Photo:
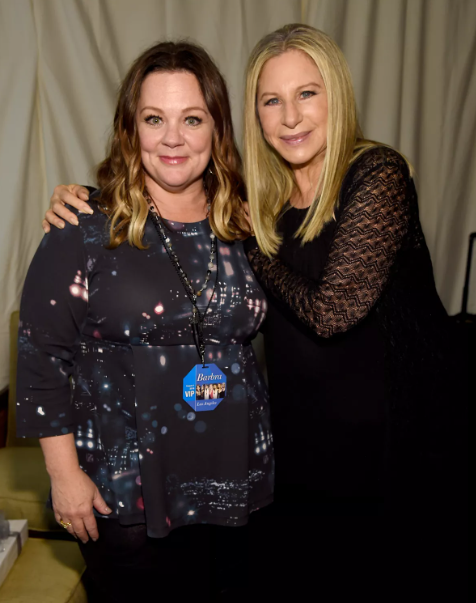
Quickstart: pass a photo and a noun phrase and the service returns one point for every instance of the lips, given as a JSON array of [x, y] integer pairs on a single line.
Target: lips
[[296, 139], [177, 160]]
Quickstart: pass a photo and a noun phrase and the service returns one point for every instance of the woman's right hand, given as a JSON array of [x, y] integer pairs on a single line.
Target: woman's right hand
[[71, 194], [74, 495]]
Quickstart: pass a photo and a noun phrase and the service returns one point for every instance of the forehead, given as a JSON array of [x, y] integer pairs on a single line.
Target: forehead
[[171, 89], [289, 68]]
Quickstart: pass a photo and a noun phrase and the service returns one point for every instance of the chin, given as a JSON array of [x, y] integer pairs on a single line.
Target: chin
[[296, 158], [173, 180]]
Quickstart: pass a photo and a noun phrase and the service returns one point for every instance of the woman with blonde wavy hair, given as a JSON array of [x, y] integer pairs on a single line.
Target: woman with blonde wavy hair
[[134, 309]]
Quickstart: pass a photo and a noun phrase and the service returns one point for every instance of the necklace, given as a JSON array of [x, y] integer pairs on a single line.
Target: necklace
[[198, 318], [173, 256]]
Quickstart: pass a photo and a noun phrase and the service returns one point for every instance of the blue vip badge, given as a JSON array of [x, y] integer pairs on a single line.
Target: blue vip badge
[[204, 387]]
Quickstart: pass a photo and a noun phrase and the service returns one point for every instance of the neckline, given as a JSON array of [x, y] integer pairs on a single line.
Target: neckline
[[296, 211], [185, 227], [174, 224], [299, 208]]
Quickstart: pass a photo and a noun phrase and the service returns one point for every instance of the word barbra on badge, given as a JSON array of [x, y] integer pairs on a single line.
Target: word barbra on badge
[[204, 387]]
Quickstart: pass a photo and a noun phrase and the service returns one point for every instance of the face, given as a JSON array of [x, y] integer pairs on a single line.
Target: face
[[292, 107], [175, 130]]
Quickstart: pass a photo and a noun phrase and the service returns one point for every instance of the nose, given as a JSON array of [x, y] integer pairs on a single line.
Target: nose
[[173, 135], [291, 116]]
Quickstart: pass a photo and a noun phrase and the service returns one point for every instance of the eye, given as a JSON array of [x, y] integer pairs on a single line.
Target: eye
[[307, 94], [193, 121], [153, 120], [271, 101]]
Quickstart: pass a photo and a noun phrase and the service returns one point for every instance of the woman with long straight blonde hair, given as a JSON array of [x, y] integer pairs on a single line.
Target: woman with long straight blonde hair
[[361, 357], [353, 311]]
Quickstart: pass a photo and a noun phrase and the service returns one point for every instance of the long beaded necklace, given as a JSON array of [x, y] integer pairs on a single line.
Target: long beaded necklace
[[198, 318]]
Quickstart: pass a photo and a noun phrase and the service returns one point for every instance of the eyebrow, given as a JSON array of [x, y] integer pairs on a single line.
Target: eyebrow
[[186, 110], [298, 88]]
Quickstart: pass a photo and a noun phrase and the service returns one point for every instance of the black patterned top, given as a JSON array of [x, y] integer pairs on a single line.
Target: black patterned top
[[355, 317], [117, 322]]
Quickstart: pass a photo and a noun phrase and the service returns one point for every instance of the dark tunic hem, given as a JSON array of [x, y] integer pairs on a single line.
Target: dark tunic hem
[[234, 522]]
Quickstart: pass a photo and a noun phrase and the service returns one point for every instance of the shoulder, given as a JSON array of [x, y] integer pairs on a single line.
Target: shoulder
[[94, 201], [379, 158], [379, 178], [97, 218], [378, 164], [91, 229]]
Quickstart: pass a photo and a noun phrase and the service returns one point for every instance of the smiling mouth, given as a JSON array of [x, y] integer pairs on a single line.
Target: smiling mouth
[[295, 139], [172, 160]]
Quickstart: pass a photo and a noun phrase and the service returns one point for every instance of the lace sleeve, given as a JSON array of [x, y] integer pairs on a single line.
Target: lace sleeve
[[369, 233]]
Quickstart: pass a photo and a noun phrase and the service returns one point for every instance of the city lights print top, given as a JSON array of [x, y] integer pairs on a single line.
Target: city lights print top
[[104, 345]]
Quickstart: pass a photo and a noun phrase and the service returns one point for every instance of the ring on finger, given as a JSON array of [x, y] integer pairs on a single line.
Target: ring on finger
[[65, 524]]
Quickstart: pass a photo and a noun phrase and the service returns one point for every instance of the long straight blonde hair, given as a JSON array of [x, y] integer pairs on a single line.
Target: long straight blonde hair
[[269, 178]]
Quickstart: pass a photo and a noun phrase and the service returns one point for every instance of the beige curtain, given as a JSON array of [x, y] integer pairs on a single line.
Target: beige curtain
[[414, 69], [62, 60]]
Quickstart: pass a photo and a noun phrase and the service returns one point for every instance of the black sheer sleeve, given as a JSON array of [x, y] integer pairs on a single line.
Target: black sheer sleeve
[[53, 309], [370, 231]]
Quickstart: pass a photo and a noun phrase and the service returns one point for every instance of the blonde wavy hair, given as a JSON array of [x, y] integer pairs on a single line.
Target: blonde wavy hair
[[121, 175], [269, 178]]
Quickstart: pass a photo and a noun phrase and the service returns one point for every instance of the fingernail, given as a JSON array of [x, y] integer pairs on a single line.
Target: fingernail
[[88, 210], [94, 539], [60, 225], [74, 221]]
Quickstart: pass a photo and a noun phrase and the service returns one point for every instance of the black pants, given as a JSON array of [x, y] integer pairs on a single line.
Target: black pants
[[203, 562], [283, 552]]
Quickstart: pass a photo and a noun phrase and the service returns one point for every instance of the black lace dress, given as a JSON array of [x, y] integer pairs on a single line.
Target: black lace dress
[[357, 346]]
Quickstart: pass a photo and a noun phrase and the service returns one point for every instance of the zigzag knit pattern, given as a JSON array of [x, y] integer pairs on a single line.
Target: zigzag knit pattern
[[378, 216]]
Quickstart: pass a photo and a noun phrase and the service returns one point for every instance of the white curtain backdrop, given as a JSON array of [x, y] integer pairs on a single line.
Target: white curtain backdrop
[[61, 61]]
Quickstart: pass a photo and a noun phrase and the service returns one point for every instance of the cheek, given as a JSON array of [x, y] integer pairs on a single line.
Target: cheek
[[267, 125], [147, 140], [318, 115], [201, 142], [323, 125]]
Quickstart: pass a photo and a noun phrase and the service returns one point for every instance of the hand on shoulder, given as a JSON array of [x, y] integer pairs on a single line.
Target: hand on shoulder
[[74, 195]]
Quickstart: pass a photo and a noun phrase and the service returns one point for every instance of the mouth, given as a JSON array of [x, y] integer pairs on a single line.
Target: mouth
[[296, 139], [172, 160]]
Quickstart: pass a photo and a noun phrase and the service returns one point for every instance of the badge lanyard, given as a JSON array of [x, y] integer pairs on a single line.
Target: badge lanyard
[[205, 386]]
